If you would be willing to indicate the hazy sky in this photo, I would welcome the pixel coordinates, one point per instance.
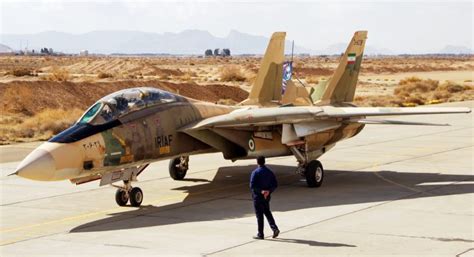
(417, 26)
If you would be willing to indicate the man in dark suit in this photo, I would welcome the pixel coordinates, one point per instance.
(262, 185)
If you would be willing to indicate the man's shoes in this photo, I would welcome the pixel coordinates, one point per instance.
(276, 232)
(258, 237)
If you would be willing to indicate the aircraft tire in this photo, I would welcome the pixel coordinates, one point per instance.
(314, 174)
(121, 197)
(175, 172)
(136, 197)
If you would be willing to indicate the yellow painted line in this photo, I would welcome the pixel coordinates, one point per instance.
(68, 219)
(92, 214)
(82, 216)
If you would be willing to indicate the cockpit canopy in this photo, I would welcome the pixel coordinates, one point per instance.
(125, 101)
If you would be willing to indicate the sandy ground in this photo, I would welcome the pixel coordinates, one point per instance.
(74, 83)
(391, 190)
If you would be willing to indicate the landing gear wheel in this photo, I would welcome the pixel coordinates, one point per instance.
(136, 197)
(121, 197)
(178, 167)
(314, 174)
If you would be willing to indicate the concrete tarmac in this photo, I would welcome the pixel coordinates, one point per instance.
(391, 190)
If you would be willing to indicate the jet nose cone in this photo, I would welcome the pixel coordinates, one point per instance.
(38, 165)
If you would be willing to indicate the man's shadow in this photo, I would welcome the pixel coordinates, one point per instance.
(227, 196)
(309, 242)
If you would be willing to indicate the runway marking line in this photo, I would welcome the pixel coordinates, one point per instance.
(377, 173)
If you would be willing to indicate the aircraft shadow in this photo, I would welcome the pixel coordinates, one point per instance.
(227, 196)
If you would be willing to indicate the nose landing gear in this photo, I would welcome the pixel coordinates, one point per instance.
(136, 197)
(125, 193)
(128, 193)
(121, 197)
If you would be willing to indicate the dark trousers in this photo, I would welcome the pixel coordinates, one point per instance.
(262, 207)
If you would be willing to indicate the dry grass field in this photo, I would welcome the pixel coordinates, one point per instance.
(41, 95)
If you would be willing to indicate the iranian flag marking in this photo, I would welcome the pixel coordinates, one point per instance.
(351, 58)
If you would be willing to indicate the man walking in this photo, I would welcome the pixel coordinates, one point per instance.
(262, 185)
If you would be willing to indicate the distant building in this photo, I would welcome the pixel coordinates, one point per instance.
(218, 52)
(226, 52)
(46, 51)
(208, 52)
(84, 53)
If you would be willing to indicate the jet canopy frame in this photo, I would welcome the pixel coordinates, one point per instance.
(123, 102)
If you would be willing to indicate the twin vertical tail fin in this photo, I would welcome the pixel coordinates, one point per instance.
(342, 85)
(266, 89)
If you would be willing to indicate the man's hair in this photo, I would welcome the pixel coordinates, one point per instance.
(261, 160)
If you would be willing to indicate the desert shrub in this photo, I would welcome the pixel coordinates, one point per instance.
(58, 74)
(21, 72)
(48, 122)
(250, 76)
(186, 77)
(378, 102)
(416, 86)
(417, 99)
(441, 95)
(451, 87)
(409, 80)
(231, 73)
(104, 75)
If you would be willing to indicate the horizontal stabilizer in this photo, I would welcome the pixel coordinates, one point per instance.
(342, 112)
(396, 122)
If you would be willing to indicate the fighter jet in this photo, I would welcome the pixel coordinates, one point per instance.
(122, 133)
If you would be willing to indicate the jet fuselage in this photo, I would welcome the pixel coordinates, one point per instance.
(153, 133)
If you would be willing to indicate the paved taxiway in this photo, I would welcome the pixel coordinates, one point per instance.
(390, 190)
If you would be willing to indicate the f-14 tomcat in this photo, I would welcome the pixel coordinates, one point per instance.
(118, 136)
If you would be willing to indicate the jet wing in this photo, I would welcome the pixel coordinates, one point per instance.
(250, 117)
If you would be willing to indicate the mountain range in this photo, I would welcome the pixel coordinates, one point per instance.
(185, 42)
(135, 42)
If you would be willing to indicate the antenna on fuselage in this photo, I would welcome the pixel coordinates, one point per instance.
(292, 50)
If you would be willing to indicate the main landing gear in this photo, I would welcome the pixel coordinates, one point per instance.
(314, 173)
(311, 170)
(178, 167)
(129, 193)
